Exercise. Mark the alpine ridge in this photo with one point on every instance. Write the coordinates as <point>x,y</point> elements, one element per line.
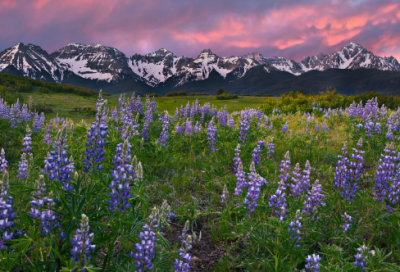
<point>96,65</point>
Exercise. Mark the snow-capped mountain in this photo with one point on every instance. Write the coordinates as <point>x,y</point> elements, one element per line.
<point>32,61</point>
<point>109,65</point>
<point>162,64</point>
<point>93,61</point>
<point>351,56</point>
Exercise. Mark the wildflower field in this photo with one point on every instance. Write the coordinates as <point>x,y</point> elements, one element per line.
<point>301,183</point>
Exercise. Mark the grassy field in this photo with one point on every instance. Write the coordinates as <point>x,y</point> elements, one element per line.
<point>269,214</point>
<point>64,104</point>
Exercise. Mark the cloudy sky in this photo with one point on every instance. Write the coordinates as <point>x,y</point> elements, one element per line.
<point>289,28</point>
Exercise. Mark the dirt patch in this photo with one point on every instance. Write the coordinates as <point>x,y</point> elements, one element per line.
<point>205,253</point>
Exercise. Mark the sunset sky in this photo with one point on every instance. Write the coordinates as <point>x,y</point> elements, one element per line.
<point>293,29</point>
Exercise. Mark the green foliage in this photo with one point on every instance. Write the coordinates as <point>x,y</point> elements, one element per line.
<point>25,85</point>
<point>176,93</point>
<point>220,91</point>
<point>153,94</point>
<point>225,96</point>
<point>198,94</point>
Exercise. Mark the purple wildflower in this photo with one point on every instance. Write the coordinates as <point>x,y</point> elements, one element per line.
<point>347,219</point>
<point>313,263</point>
<point>182,264</point>
<point>211,134</point>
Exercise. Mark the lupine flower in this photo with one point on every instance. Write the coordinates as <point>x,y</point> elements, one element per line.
<point>22,167</point>
<point>6,211</point>
<point>27,141</point>
<point>261,144</point>
<point>341,168</point>
<point>271,148</point>
<point>236,159</point>
<point>3,161</point>
<point>189,127</point>
<point>347,219</point>
<point>231,122</point>
<point>244,128</point>
<point>353,173</point>
<point>389,134</point>
<point>179,129</point>
<point>285,168</point>
<point>146,126</point>
<point>378,128</point>
<point>271,126</point>
<point>164,133</point>
<point>211,134</point>
<point>47,218</point>
<point>285,127</point>
<point>176,116</point>
<point>294,228</point>
<point>222,117</point>
<point>385,172</point>
<point>94,147</point>
<point>254,185</point>
<point>361,257</point>
<point>256,158</point>
<point>143,253</point>
<point>266,122</point>
<point>123,174</point>
<point>225,194</point>
<point>314,199</point>
<point>297,187</point>
<point>324,127</point>
<point>241,180</point>
<point>313,263</point>
<point>57,165</point>
<point>47,136</point>
<point>182,264</point>
<point>82,244</point>
<point>278,200</point>
<point>197,127</point>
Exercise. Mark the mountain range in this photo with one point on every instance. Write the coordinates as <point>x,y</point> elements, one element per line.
<point>352,69</point>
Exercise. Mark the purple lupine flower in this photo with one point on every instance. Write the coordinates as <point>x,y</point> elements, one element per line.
<point>23,167</point>
<point>189,127</point>
<point>271,148</point>
<point>82,244</point>
<point>95,146</point>
<point>176,116</point>
<point>244,128</point>
<point>146,126</point>
<point>48,219</point>
<point>187,110</point>
<point>285,168</point>
<point>296,189</point>
<point>211,134</point>
<point>266,121</point>
<point>341,168</point>
<point>3,161</point>
<point>57,165</point>
<point>153,104</point>
<point>256,158</point>
<point>12,117</point>
<point>261,144</point>
<point>47,135</point>
<point>6,212</point>
<point>347,219</point>
<point>313,263</point>
<point>222,117</point>
<point>294,228</point>
<point>36,125</point>
<point>225,194</point>
<point>271,126</point>
<point>197,127</point>
<point>27,141</point>
<point>254,185</point>
<point>285,127</point>
<point>114,115</point>
<point>278,200</point>
<point>123,174</point>
<point>385,172</point>
<point>236,159</point>
<point>353,173</point>
<point>389,134</point>
<point>164,133</point>
<point>182,264</point>
<point>241,180</point>
<point>324,127</point>
<point>361,257</point>
<point>378,128</point>
<point>179,129</point>
<point>231,122</point>
<point>182,111</point>
<point>314,199</point>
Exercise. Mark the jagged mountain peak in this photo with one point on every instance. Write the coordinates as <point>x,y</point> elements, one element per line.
<point>162,52</point>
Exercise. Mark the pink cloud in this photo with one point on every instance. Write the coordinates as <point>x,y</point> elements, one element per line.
<point>289,28</point>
